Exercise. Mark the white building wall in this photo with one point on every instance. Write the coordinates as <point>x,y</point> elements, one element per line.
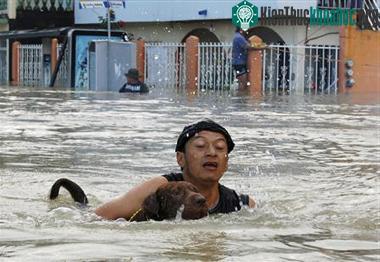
<point>171,21</point>
<point>224,30</point>
<point>176,31</point>
<point>178,10</point>
<point>296,35</point>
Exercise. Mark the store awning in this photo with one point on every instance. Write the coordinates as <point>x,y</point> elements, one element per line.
<point>34,33</point>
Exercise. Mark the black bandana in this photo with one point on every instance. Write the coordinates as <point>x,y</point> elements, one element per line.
<point>207,124</point>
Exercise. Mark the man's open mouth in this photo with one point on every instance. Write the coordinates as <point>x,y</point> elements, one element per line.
<point>210,165</point>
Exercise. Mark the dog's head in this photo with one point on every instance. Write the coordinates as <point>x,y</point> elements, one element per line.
<point>171,197</point>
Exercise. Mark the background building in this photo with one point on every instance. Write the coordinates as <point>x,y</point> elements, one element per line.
<point>173,21</point>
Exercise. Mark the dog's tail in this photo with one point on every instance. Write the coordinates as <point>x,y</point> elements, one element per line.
<point>74,189</point>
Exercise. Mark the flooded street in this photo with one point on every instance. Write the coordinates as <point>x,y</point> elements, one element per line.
<point>311,162</point>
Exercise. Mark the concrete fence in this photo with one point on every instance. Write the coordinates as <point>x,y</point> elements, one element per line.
<point>301,69</point>
<point>199,66</point>
<point>31,65</point>
<point>165,64</point>
<point>4,54</point>
<point>208,66</point>
<point>215,66</point>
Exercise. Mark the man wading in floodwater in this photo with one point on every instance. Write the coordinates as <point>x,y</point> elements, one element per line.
<point>202,153</point>
<point>240,48</point>
<point>133,85</point>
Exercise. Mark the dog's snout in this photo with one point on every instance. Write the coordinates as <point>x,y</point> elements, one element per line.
<point>200,200</point>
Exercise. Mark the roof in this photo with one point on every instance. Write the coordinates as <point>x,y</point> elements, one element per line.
<point>34,33</point>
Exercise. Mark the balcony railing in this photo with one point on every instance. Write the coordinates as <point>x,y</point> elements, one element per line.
<point>368,12</point>
<point>45,5</point>
<point>344,4</point>
<point>370,15</point>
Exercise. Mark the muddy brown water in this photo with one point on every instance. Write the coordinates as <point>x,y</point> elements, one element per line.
<point>311,162</point>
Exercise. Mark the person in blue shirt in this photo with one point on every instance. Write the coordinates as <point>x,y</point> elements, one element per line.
<point>133,85</point>
<point>240,48</point>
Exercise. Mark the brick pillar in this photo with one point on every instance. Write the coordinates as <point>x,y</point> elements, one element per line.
<point>15,63</point>
<point>255,66</point>
<point>140,58</point>
<point>362,47</point>
<point>53,53</point>
<point>192,43</point>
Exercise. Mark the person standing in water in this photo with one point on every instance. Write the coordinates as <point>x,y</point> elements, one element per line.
<point>240,48</point>
<point>133,84</point>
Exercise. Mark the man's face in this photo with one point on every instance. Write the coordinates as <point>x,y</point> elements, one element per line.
<point>205,158</point>
<point>131,80</point>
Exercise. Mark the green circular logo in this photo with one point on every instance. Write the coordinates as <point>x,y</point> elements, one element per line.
<point>245,15</point>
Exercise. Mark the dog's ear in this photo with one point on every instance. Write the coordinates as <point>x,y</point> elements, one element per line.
<point>151,207</point>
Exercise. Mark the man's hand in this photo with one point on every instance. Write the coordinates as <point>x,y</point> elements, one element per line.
<point>259,46</point>
<point>251,203</point>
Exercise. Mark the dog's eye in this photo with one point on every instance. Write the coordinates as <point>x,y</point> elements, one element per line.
<point>195,189</point>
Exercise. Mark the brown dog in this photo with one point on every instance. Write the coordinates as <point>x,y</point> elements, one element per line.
<point>165,203</point>
<point>171,198</point>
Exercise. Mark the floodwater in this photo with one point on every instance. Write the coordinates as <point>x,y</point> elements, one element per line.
<point>311,162</point>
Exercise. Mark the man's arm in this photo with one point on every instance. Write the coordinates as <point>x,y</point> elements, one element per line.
<point>144,88</point>
<point>121,90</point>
<point>247,45</point>
<point>126,205</point>
<point>247,200</point>
<point>251,202</point>
<point>260,46</point>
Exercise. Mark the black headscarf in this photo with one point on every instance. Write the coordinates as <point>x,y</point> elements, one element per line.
<point>207,124</point>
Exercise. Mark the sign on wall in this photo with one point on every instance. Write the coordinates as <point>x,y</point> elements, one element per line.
<point>101,4</point>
